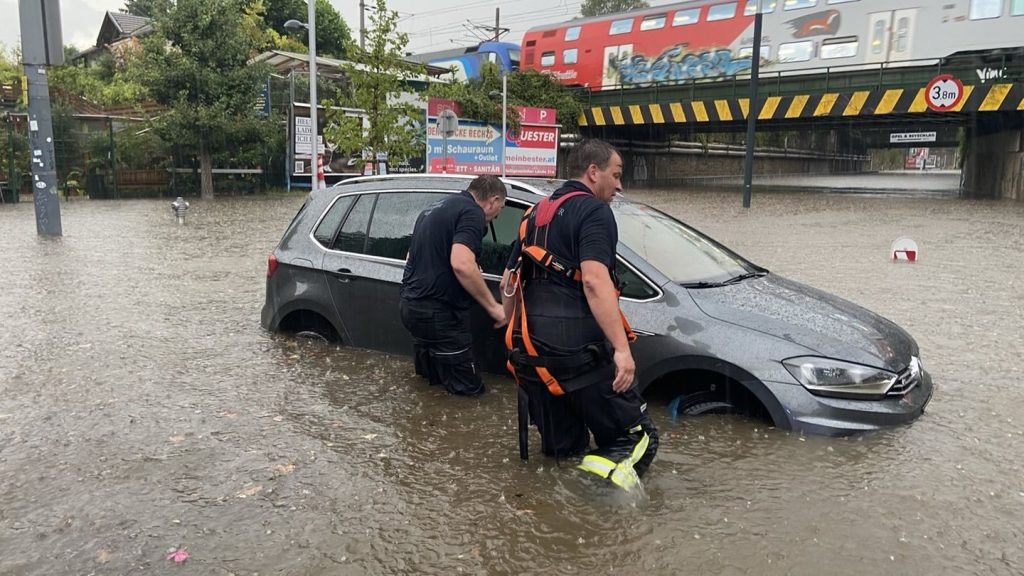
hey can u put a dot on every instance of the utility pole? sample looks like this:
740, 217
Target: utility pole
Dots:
497, 23
362, 24
752, 108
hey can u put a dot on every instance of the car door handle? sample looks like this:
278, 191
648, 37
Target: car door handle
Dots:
344, 275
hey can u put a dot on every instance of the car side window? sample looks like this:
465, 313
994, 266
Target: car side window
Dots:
632, 285
328, 227
501, 233
393, 221
353, 232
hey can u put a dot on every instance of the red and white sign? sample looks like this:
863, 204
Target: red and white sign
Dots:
532, 151
904, 250
943, 93
544, 116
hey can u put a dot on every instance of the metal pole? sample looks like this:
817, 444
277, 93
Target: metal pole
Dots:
362, 24
41, 153
11, 171
288, 155
113, 164
315, 180
504, 119
752, 109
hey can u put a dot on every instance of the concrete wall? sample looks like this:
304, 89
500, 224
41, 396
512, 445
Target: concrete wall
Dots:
995, 162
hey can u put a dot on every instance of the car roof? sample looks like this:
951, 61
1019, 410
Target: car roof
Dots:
529, 189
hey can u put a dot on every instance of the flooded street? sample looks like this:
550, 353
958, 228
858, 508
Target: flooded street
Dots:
142, 408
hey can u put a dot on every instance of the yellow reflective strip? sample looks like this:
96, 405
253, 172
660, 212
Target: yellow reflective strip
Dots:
583, 119
995, 97
889, 101
699, 111
677, 112
797, 106
825, 105
639, 449
1021, 105
768, 110
919, 104
598, 116
744, 107
596, 464
636, 114
724, 114
967, 94
856, 103
617, 118
656, 114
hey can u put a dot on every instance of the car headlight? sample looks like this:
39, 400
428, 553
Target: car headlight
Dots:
828, 377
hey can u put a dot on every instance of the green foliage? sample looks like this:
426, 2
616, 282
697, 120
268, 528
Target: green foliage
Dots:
103, 83
148, 8
10, 65
196, 64
525, 88
376, 85
332, 34
599, 7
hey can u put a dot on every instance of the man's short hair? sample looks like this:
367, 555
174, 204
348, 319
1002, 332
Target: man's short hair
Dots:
487, 187
587, 152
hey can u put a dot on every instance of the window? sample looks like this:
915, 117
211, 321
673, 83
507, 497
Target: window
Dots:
456, 68
353, 231
497, 245
328, 227
569, 56
513, 58
572, 33
839, 48
653, 22
902, 34
621, 27
796, 51
393, 221
798, 4
1017, 8
983, 9
721, 11
686, 17
632, 285
877, 37
547, 59
767, 7
746, 51
840, 1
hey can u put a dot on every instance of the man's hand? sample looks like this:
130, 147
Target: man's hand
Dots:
497, 313
625, 370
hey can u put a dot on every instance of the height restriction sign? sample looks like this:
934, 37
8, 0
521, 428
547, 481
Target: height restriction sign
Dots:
943, 93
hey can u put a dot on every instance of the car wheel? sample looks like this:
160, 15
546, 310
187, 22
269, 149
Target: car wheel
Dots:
312, 335
698, 405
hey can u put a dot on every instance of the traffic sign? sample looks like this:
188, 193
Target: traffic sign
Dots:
943, 93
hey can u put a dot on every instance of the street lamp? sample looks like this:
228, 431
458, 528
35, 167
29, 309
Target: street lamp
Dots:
311, 27
504, 116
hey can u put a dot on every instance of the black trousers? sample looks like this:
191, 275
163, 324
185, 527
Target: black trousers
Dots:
442, 345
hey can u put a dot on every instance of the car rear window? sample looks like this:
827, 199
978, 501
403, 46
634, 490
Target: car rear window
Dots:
328, 227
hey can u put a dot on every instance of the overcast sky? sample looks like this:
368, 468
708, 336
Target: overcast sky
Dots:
445, 24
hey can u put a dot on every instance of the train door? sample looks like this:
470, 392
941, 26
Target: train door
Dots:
616, 69
891, 35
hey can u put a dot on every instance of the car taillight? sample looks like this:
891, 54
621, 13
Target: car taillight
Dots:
271, 265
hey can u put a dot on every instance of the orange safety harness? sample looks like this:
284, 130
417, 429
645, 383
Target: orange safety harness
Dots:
517, 336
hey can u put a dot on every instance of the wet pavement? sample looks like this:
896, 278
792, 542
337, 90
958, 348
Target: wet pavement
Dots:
142, 409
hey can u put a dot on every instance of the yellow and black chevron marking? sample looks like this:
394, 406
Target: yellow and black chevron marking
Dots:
980, 98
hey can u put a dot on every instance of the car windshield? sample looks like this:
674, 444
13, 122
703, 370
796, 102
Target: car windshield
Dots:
679, 252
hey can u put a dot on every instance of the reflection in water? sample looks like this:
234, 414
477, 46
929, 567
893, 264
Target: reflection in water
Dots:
142, 408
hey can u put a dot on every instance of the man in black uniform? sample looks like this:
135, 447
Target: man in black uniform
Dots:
441, 274
572, 354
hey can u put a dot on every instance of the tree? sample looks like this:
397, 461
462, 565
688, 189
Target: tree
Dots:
148, 8
377, 85
332, 34
599, 7
196, 64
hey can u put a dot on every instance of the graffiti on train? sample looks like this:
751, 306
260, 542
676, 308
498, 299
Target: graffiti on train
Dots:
674, 66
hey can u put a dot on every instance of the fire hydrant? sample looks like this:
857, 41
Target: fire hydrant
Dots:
179, 207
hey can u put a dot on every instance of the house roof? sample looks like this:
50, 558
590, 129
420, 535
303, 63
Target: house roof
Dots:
118, 26
283, 62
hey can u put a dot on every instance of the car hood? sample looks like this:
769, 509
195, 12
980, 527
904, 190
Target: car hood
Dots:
817, 320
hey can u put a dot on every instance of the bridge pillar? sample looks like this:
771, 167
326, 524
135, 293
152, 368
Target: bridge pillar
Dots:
994, 166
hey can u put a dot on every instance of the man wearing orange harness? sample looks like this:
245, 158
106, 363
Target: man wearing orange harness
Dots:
567, 339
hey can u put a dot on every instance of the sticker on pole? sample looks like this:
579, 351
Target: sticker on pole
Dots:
943, 93
904, 250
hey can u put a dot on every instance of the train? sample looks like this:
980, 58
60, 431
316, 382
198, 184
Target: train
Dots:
702, 39
465, 62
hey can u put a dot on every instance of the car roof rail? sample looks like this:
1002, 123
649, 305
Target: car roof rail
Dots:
516, 184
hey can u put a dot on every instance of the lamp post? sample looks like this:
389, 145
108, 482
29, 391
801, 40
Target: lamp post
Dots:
504, 116
752, 108
311, 28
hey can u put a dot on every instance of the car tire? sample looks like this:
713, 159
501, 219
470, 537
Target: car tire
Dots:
709, 408
313, 336
699, 404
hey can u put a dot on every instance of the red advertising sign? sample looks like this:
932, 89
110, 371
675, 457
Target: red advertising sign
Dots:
436, 105
545, 116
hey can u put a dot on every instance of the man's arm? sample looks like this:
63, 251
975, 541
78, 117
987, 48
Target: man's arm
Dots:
467, 272
604, 303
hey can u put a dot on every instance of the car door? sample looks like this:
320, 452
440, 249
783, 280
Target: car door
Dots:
366, 269
488, 342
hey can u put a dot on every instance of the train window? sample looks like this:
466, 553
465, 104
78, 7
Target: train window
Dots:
456, 67
686, 17
878, 37
1017, 8
721, 11
569, 56
653, 22
513, 59
572, 33
902, 34
746, 51
547, 59
796, 51
839, 48
798, 4
984, 9
767, 7
624, 26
